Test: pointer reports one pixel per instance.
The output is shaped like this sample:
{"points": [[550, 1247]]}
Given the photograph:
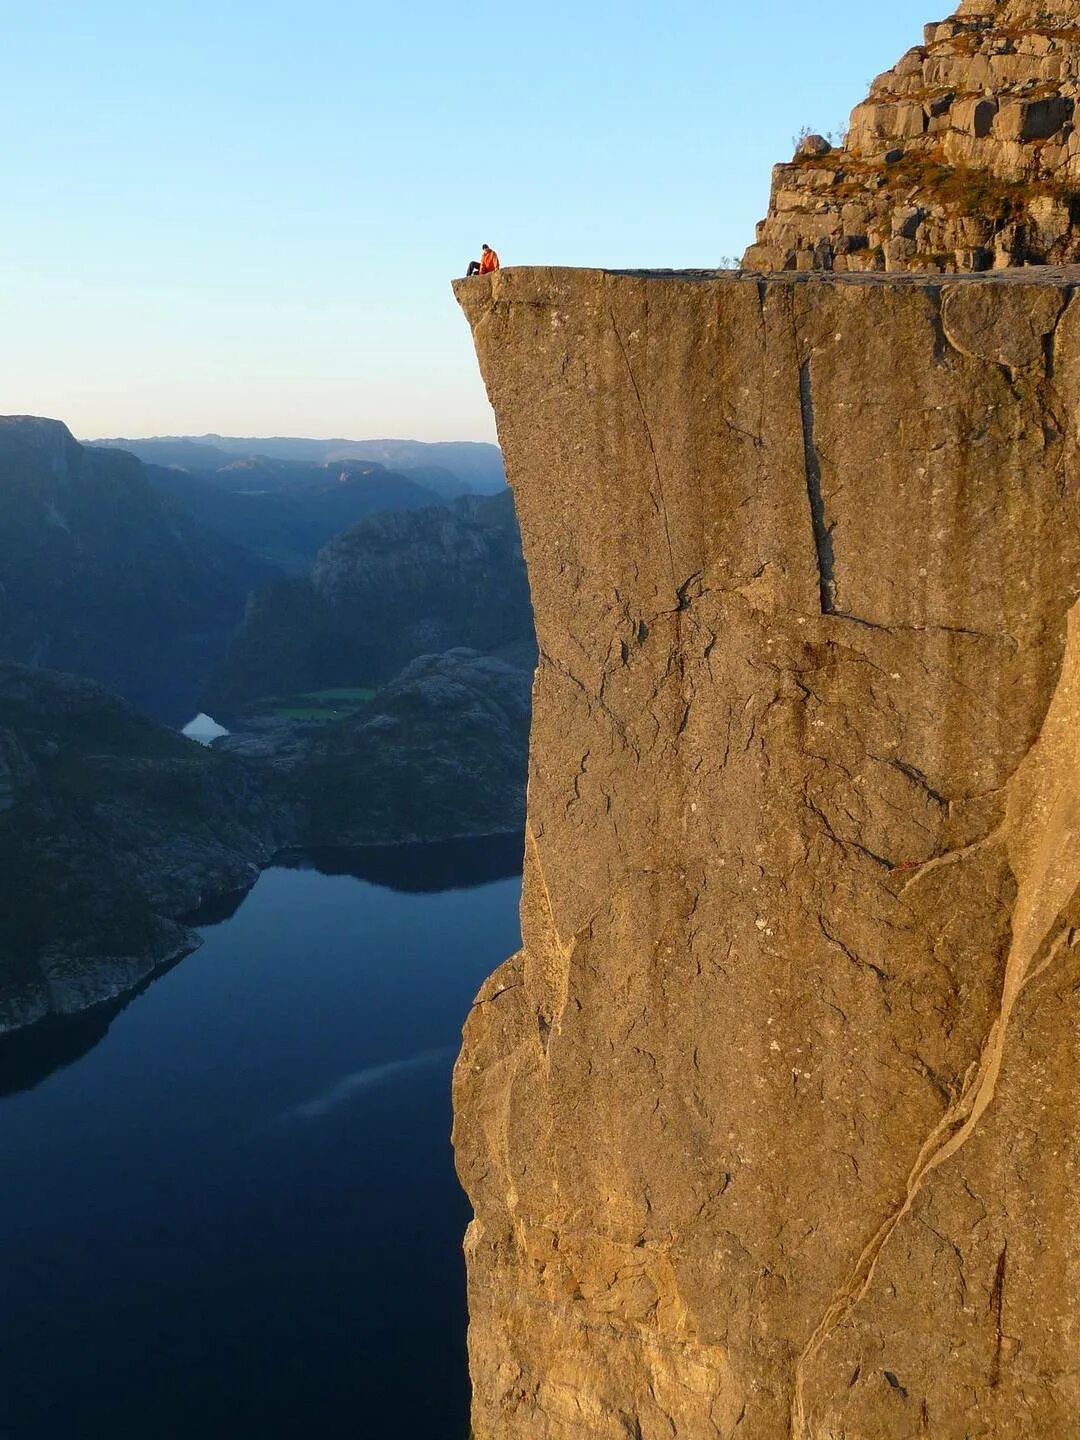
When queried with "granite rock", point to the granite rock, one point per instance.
{"points": [[977, 125], [769, 1129]]}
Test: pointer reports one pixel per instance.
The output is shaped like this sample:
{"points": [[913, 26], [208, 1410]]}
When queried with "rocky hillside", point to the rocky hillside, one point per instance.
{"points": [[770, 1128], [398, 585], [111, 829], [439, 754], [965, 156], [100, 575]]}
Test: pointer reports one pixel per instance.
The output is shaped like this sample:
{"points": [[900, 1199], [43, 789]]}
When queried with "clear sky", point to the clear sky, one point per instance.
{"points": [[238, 216]]}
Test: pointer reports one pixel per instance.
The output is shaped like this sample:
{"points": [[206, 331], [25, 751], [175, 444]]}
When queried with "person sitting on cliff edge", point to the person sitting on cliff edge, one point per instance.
{"points": [[488, 262]]}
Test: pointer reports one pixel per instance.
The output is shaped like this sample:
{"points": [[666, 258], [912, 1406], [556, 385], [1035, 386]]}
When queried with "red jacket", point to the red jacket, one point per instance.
{"points": [[488, 261]]}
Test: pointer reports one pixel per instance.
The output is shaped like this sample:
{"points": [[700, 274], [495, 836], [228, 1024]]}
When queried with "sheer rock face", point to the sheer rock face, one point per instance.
{"points": [[965, 156], [769, 1129]]}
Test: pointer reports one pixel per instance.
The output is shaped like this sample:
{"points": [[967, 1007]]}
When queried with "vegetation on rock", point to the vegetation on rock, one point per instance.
{"points": [[965, 156]]}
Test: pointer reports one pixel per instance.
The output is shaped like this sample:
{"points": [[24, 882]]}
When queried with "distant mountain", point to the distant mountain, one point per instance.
{"points": [[397, 585], [449, 467], [286, 510], [111, 829], [184, 454], [102, 575]]}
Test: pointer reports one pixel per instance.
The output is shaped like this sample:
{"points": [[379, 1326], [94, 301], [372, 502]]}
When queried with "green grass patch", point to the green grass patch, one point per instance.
{"points": [[360, 694], [307, 712], [314, 706]]}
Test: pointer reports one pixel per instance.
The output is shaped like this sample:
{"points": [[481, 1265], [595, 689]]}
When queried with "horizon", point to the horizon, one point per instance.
{"points": [[211, 435], [246, 222]]}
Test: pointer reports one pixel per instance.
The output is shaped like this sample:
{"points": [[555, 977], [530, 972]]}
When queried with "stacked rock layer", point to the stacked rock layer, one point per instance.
{"points": [[965, 156], [770, 1128]]}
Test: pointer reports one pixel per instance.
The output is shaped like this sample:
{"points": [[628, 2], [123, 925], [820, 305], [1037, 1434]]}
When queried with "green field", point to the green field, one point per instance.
{"points": [[317, 705], [358, 693]]}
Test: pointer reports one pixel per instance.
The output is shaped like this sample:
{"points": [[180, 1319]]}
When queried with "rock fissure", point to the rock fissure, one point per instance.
{"points": [[823, 530], [661, 503]]}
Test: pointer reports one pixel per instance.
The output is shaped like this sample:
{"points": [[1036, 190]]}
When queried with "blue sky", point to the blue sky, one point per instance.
{"points": [[244, 217]]}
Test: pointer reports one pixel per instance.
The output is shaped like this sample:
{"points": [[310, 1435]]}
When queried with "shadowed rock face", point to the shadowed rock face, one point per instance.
{"points": [[769, 1128], [102, 576], [964, 156], [437, 755]]}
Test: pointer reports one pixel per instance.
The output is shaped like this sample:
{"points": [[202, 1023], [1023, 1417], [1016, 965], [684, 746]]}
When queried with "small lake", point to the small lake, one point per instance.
{"points": [[228, 1208]]}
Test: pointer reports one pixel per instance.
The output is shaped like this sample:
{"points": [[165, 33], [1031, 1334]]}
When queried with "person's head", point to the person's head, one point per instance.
{"points": [[485, 247]]}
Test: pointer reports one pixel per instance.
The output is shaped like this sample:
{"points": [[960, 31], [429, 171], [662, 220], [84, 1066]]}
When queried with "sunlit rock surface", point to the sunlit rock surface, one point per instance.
{"points": [[770, 1127], [964, 156]]}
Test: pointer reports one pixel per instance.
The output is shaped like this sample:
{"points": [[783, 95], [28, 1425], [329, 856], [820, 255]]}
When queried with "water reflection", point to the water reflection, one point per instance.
{"points": [[419, 869], [30, 1055], [229, 1207]]}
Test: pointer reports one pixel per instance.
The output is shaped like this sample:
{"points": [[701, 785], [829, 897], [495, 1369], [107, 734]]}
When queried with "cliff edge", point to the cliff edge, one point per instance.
{"points": [[769, 1129]]}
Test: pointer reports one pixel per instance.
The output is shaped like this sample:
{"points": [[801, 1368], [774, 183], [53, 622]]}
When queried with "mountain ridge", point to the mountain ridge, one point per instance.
{"points": [[105, 577]]}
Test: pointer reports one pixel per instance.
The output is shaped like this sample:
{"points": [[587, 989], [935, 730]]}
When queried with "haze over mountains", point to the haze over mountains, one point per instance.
{"points": [[397, 585], [285, 498], [449, 467], [137, 574], [286, 510]]}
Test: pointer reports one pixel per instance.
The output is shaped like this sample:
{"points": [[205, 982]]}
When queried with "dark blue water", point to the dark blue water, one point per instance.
{"points": [[231, 1212]]}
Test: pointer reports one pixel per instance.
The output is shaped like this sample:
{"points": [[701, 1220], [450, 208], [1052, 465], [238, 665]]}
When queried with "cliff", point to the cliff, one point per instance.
{"points": [[964, 156], [769, 1128]]}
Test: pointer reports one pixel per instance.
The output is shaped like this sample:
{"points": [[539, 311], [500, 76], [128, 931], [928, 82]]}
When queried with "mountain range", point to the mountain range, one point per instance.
{"points": [[111, 828], [449, 467], [112, 570], [286, 510]]}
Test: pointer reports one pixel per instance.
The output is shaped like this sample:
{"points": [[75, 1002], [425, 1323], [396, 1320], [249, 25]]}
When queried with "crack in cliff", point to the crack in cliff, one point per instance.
{"points": [[997, 1310], [564, 949], [949, 1135], [823, 531], [662, 506], [950, 857], [1042, 835]]}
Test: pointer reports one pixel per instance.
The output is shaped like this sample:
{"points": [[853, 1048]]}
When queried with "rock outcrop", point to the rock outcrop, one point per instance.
{"points": [[965, 156], [439, 754], [770, 1127]]}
